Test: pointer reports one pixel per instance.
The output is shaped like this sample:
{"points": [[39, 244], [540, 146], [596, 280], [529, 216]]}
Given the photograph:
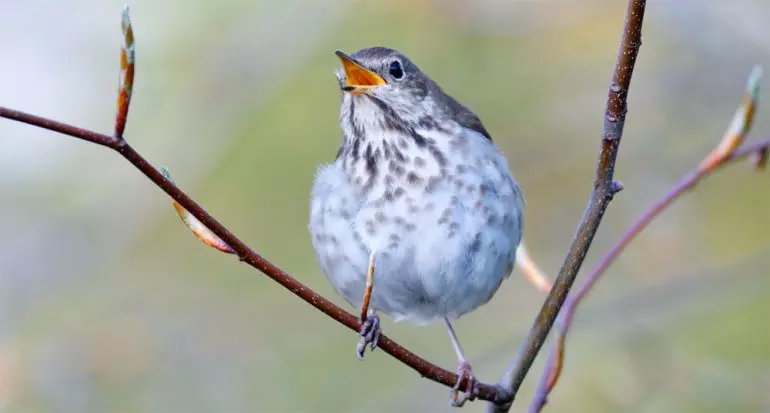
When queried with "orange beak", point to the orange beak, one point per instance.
{"points": [[357, 77]]}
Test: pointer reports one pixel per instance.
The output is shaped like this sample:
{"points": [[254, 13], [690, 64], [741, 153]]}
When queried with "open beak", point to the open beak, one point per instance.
{"points": [[357, 77]]}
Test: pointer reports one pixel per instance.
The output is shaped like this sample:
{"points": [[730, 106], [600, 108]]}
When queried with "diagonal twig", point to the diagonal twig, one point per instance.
{"points": [[554, 365], [728, 150], [246, 254], [604, 188], [212, 232], [531, 271]]}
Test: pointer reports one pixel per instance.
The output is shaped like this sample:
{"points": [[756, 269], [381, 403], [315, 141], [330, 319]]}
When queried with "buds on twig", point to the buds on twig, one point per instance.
{"points": [[198, 229], [126, 79], [740, 125], [729, 148]]}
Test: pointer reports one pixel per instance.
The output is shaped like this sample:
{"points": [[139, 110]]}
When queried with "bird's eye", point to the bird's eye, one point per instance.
{"points": [[396, 70]]}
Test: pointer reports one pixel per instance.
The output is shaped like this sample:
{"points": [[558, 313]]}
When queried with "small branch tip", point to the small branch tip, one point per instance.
{"points": [[754, 78], [126, 78], [531, 271], [615, 187], [759, 158], [200, 231], [166, 174]]}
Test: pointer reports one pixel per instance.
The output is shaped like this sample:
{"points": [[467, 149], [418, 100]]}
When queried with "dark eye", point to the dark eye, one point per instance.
{"points": [[396, 70]]}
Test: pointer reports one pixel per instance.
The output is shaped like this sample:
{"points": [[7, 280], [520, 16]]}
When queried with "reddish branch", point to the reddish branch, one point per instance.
{"points": [[728, 149], [554, 365], [251, 257]]}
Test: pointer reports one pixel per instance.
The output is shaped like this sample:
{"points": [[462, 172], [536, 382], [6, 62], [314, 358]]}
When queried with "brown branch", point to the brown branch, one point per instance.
{"points": [[553, 367], [531, 271], [729, 149], [210, 231], [604, 188], [251, 257]]}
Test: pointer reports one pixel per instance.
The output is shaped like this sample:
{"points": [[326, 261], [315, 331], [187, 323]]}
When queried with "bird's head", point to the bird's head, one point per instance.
{"points": [[381, 86], [386, 99]]}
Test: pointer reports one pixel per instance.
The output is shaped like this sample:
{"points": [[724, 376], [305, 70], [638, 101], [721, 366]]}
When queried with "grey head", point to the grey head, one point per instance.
{"points": [[385, 91]]}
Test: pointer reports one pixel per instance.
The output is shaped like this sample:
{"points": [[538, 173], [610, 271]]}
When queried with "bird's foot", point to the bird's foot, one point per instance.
{"points": [[370, 334], [471, 389]]}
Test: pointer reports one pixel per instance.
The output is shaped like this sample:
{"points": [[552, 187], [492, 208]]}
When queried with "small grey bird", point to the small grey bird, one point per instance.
{"points": [[418, 212]]}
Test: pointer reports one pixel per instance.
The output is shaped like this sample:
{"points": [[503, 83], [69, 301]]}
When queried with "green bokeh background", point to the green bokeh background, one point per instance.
{"points": [[109, 304]]}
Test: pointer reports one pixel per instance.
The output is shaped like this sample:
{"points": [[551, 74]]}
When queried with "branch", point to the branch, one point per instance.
{"points": [[246, 254], [727, 151], [531, 271], [604, 188], [230, 241]]}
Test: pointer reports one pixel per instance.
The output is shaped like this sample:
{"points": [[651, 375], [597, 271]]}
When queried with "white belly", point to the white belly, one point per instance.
{"points": [[438, 253]]}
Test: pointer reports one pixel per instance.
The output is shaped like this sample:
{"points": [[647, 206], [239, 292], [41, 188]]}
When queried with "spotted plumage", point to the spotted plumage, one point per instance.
{"points": [[418, 185]]}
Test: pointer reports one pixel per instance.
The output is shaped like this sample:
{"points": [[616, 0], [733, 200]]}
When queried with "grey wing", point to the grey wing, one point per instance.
{"points": [[466, 118]]}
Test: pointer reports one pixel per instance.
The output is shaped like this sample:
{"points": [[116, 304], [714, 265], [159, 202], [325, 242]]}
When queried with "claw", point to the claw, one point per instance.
{"points": [[471, 389], [370, 334]]}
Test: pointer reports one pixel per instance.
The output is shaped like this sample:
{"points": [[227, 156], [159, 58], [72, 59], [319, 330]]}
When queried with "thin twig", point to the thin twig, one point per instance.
{"points": [[554, 365], [729, 149], [198, 229], [531, 271], [423, 367], [604, 188], [210, 231]]}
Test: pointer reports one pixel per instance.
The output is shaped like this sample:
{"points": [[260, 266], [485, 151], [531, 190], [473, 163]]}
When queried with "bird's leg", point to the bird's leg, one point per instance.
{"points": [[464, 372], [368, 289], [370, 324]]}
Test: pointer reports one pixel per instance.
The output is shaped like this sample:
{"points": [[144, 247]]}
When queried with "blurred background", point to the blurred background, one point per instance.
{"points": [[109, 304]]}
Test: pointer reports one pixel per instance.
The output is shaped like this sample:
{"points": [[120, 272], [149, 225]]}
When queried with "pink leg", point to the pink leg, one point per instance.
{"points": [[464, 372]]}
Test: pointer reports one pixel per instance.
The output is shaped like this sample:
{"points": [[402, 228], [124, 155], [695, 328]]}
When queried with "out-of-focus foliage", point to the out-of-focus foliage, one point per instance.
{"points": [[107, 303]]}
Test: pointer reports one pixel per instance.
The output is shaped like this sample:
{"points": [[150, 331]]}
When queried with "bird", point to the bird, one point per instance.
{"points": [[418, 216]]}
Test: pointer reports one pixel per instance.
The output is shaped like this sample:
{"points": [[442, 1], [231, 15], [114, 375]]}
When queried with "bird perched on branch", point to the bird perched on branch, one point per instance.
{"points": [[418, 216]]}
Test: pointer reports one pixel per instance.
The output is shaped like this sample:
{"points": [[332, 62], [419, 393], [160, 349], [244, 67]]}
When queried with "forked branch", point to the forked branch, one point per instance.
{"points": [[728, 150]]}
